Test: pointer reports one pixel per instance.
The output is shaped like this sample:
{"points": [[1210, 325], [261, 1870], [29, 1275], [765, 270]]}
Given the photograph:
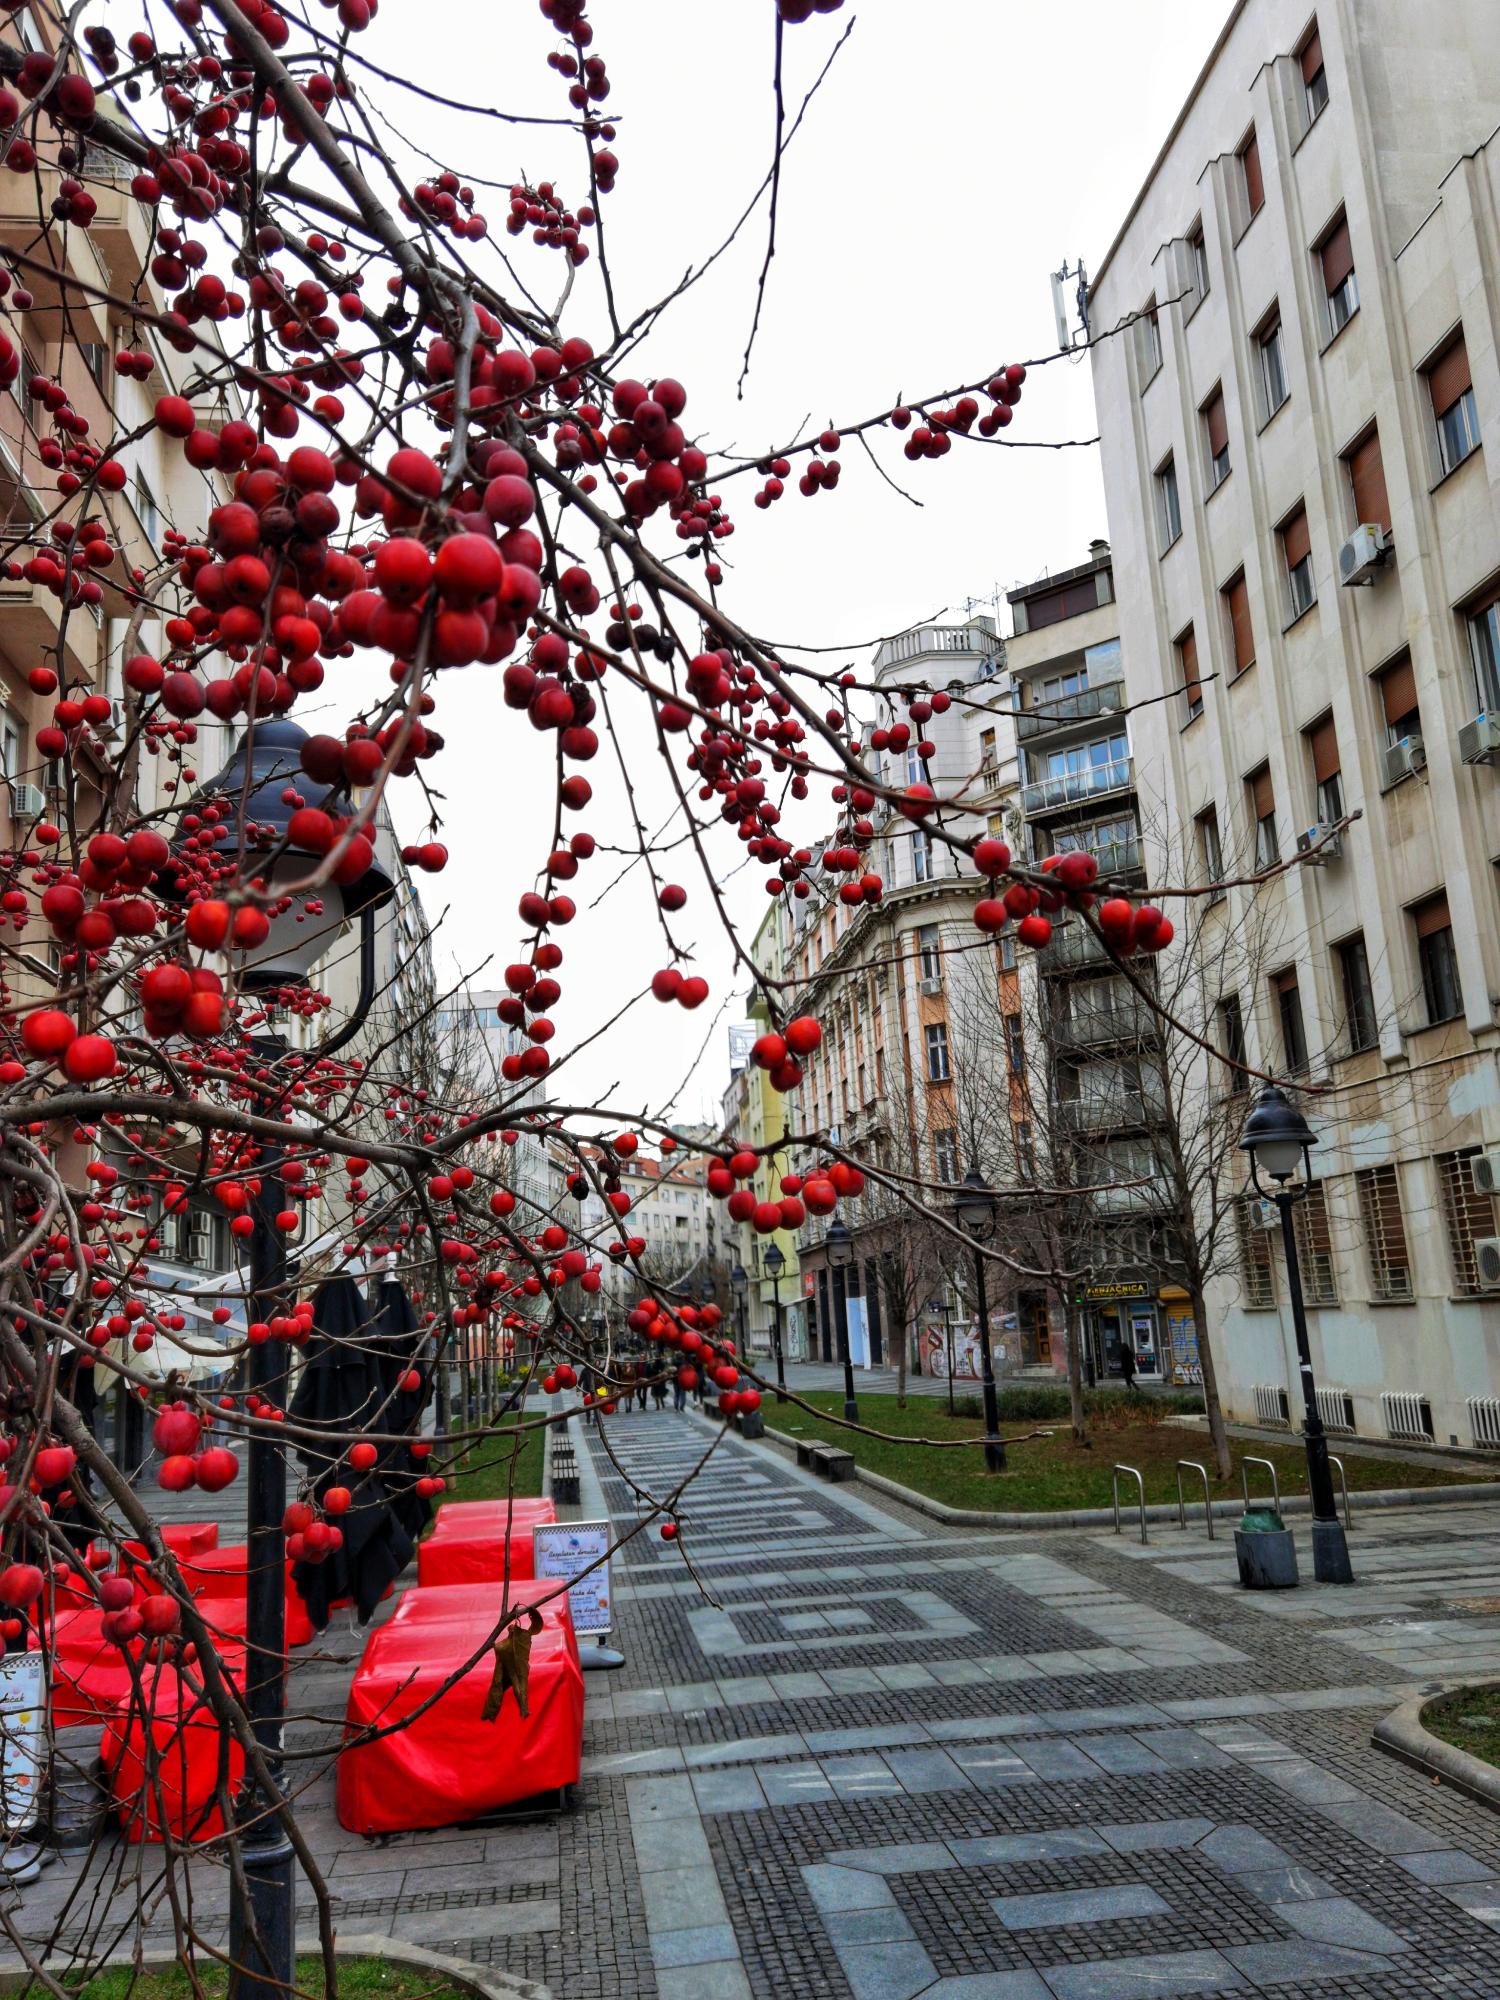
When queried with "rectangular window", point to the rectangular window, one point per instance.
{"points": [[1323, 749], [1007, 952], [1236, 599], [146, 509], [1398, 700], [930, 952], [1468, 1214], [945, 1156], [1314, 76], [1216, 431], [1452, 391], [1198, 256], [1187, 670], [1336, 255], [988, 759], [1438, 957], [1289, 1015], [1359, 999], [1255, 193], [1263, 816], [1385, 1232], [1232, 1041], [1210, 851], [1168, 506], [1271, 351], [1314, 1242], [1296, 555], [1148, 335], [935, 1035], [1257, 1272], [1025, 1153], [1484, 647], [1015, 1044], [921, 855], [1366, 474]]}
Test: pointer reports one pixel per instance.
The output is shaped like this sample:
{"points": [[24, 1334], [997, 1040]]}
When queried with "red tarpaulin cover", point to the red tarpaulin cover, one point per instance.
{"points": [[220, 1573], [448, 1764], [92, 1677], [176, 1784], [468, 1541]]}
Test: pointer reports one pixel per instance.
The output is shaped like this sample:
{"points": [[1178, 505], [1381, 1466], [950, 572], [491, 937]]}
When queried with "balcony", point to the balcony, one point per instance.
{"points": [[1083, 1025], [968, 641], [1078, 788], [1073, 945], [1140, 1198], [1068, 710], [1111, 1110], [31, 622]]}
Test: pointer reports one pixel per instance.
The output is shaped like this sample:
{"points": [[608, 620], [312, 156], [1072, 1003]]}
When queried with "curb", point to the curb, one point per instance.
{"points": [[1103, 1517], [482, 1980], [1400, 1734]]}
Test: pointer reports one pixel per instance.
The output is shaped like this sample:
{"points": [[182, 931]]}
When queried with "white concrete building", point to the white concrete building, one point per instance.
{"points": [[1299, 435]]}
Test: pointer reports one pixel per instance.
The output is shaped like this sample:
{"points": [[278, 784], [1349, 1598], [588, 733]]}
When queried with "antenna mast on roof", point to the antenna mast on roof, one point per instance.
{"points": [[1070, 338]]}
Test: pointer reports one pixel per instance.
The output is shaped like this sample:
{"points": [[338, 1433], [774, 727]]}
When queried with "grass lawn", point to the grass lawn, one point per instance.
{"points": [[1469, 1720], [1053, 1472], [358, 1979], [484, 1472]]}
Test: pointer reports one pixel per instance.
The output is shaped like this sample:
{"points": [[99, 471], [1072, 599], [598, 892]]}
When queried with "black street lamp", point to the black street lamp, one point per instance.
{"points": [[975, 1211], [739, 1284], [265, 766], [838, 1246], [1279, 1140], [776, 1264]]}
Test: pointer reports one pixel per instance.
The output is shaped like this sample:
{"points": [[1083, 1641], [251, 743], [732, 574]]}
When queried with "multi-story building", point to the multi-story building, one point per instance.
{"points": [[1298, 418], [669, 1210], [473, 1042]]}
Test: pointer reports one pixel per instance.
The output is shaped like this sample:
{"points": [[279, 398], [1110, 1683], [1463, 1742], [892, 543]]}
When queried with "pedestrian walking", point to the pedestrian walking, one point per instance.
{"points": [[659, 1390], [1127, 1363], [679, 1394]]}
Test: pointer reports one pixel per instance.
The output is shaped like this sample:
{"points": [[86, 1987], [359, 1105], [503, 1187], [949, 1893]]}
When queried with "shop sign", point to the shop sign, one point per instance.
{"points": [[1121, 1288]]}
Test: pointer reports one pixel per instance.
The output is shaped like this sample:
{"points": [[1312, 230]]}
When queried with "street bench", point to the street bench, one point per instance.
{"points": [[563, 1471], [828, 1461]]}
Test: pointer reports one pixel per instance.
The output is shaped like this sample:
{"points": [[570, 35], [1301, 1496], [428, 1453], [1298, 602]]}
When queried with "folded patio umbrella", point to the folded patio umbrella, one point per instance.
{"points": [[399, 1345]]}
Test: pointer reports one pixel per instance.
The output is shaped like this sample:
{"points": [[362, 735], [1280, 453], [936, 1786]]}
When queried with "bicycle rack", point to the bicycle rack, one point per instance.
{"points": [[1245, 1465], [1344, 1487], [1141, 1492], [1192, 1465]]}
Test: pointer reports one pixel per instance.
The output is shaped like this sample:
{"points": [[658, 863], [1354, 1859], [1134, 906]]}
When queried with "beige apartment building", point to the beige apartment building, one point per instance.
{"points": [[1301, 425]]}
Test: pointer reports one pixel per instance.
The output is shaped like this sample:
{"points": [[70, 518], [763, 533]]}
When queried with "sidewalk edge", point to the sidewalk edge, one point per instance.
{"points": [[1401, 1734]]}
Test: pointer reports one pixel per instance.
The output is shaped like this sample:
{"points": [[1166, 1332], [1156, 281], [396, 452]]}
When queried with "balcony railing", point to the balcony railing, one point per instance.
{"points": [[1110, 1110], [1073, 944], [1119, 1021], [975, 641], [1072, 788], [1068, 709]]}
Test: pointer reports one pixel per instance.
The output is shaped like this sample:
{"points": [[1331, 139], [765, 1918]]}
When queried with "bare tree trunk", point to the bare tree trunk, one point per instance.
{"points": [[896, 1297], [1073, 1322], [1211, 1403]]}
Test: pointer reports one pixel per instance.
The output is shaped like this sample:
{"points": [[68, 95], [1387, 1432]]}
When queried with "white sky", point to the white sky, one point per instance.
{"points": [[932, 189]]}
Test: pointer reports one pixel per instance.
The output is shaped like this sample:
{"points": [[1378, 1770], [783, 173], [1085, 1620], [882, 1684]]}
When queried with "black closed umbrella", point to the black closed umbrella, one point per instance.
{"points": [[341, 1394], [400, 1347]]}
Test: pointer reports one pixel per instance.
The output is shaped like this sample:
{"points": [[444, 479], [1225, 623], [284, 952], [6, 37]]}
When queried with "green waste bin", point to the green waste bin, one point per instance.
{"points": [[1265, 1551]]}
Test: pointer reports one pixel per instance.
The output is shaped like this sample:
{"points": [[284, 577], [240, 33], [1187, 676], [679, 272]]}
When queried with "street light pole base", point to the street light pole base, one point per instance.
{"points": [[994, 1458], [851, 1410], [1331, 1553]]}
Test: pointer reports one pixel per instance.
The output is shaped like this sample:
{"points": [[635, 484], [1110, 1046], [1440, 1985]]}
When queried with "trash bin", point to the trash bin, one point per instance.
{"points": [[1265, 1551]]}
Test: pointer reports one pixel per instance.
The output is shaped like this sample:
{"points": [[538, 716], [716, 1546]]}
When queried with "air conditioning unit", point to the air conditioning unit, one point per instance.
{"points": [[1265, 1214], [1484, 1170], [113, 723], [1403, 757], [1366, 551], [931, 986], [1487, 1262], [1328, 847], [201, 1247], [27, 801], [1479, 740]]}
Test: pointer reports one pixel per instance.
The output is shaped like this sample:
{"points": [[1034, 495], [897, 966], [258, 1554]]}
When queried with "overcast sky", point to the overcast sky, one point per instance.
{"points": [[935, 184]]}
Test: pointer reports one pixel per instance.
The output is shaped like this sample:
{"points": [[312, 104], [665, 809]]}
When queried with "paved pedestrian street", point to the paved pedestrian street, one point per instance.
{"points": [[856, 1755]]}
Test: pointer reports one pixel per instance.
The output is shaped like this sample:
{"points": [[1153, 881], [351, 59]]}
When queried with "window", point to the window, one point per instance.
{"points": [[1315, 1248], [1398, 699], [1438, 957], [1069, 601], [1249, 157], [921, 855], [1385, 1232], [146, 508], [1336, 255], [1367, 482], [96, 360], [1236, 599], [10, 749], [935, 1035], [1209, 848], [1198, 261], [1359, 1000], [1007, 951], [1296, 553], [1015, 1044], [1025, 1153], [1452, 391], [1289, 1015], [1271, 352], [1168, 506], [1148, 336], [945, 1156], [1468, 1214], [1263, 816], [988, 758], [1232, 1041], [1216, 430], [1314, 76], [914, 775], [1187, 670], [930, 952], [1323, 748], [1257, 1273], [1484, 646]]}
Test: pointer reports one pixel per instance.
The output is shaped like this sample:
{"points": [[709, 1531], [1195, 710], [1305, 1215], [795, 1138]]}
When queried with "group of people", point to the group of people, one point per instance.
{"points": [[633, 1377]]}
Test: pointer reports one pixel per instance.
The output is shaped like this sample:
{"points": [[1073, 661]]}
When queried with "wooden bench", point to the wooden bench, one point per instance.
{"points": [[563, 1471], [828, 1461]]}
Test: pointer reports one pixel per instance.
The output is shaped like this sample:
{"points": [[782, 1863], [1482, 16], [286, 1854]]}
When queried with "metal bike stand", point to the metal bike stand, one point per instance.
{"points": [[1245, 1465], [1338, 1466], [1141, 1491], [1192, 1465]]}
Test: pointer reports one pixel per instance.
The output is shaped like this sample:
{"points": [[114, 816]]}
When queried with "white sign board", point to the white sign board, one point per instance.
{"points": [[23, 1716], [564, 1549]]}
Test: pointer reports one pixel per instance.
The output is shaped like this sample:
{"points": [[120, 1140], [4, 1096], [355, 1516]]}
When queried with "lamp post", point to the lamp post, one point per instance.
{"points": [[265, 765], [838, 1247], [1279, 1139], [948, 1346], [975, 1212], [776, 1264], [739, 1284]]}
